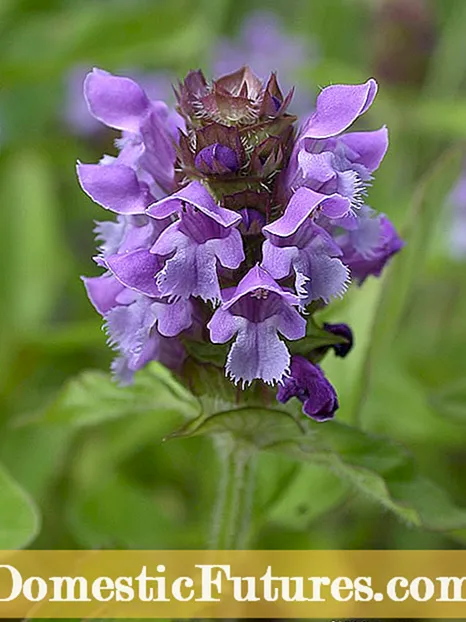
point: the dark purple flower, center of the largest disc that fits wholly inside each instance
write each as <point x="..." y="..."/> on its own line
<point x="255" y="312"/>
<point x="368" y="248"/>
<point x="341" y="330"/>
<point x="308" y="383"/>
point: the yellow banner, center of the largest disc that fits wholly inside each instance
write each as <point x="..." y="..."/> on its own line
<point x="233" y="584"/>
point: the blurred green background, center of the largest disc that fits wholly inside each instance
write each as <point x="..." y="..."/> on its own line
<point x="84" y="478"/>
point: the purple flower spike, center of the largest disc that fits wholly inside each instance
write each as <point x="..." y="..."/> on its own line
<point x="308" y="383"/>
<point x="228" y="219"/>
<point x="256" y="311"/>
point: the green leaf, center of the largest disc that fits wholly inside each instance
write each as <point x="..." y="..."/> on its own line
<point x="259" y="427"/>
<point x="380" y="470"/>
<point x="313" y="492"/>
<point x="19" y="517"/>
<point x="93" y="397"/>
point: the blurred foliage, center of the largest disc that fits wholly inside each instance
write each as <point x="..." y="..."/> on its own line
<point x="88" y="458"/>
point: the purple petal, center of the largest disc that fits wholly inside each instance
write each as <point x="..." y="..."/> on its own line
<point x="128" y="327"/>
<point x="318" y="168"/>
<point x="115" y="187"/>
<point x="301" y="205"/>
<point x="192" y="271"/>
<point x="291" y="324"/>
<point x="159" y="153"/>
<point x="308" y="383"/>
<point x="258" y="352"/>
<point x="259" y="279"/>
<point x="369" y="147"/>
<point x="277" y="260"/>
<point x="174" y="317"/>
<point x="199" y="197"/>
<point x="321" y="276"/>
<point x="136" y="270"/>
<point x="118" y="102"/>
<point x="336" y="206"/>
<point x="222" y="326"/>
<point x="103" y="291"/>
<point x="229" y="250"/>
<point x="337" y="108"/>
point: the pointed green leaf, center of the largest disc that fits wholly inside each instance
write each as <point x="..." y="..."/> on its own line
<point x="259" y="427"/>
<point x="381" y="470"/>
<point x="313" y="492"/>
<point x="93" y="397"/>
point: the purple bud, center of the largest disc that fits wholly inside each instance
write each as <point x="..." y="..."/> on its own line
<point x="252" y="222"/>
<point x="341" y="330"/>
<point x="308" y="383"/>
<point x="217" y="159"/>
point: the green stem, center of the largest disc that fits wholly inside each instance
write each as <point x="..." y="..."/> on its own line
<point x="233" y="507"/>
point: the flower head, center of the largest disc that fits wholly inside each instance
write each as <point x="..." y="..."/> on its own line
<point x="232" y="226"/>
<point x="308" y="383"/>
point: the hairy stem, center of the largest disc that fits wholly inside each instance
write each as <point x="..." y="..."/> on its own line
<point x="233" y="507"/>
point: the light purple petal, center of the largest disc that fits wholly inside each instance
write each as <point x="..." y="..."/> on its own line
<point x="301" y="205"/>
<point x="198" y="196"/>
<point x="136" y="270"/>
<point x="223" y="326"/>
<point x="257" y="352"/>
<point x="159" y="153"/>
<point x="229" y="251"/>
<point x="118" y="102"/>
<point x="370" y="147"/>
<point x="336" y="206"/>
<point x="192" y="271"/>
<point x="317" y="167"/>
<point x="173" y="318"/>
<point x="256" y="279"/>
<point x="320" y="276"/>
<point x="115" y="187"/>
<point x="128" y="327"/>
<point x="277" y="260"/>
<point x="337" y="108"/>
<point x="103" y="291"/>
<point x="291" y="324"/>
